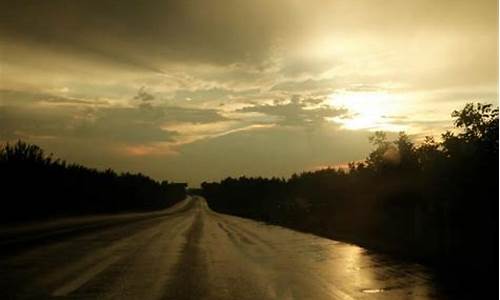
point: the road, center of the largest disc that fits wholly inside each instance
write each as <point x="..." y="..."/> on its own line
<point x="191" y="252"/>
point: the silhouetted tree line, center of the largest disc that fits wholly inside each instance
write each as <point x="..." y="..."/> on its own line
<point x="436" y="201"/>
<point x="35" y="185"/>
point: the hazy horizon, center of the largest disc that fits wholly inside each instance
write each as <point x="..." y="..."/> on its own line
<point x="208" y="89"/>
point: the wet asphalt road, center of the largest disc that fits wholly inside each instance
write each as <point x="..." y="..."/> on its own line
<point x="191" y="252"/>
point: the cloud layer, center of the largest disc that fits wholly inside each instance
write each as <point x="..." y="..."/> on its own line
<point x="237" y="86"/>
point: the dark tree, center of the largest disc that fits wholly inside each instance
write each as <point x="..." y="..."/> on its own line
<point x="35" y="186"/>
<point x="435" y="201"/>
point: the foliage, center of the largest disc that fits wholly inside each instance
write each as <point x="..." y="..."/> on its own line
<point x="34" y="185"/>
<point x="426" y="201"/>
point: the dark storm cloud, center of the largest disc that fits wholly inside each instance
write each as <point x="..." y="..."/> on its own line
<point x="142" y="95"/>
<point x="143" y="124"/>
<point x="144" y="32"/>
<point x="73" y="69"/>
<point x="130" y="125"/>
<point x="13" y="97"/>
<point x="297" y="112"/>
<point x="21" y="122"/>
<point x="52" y="116"/>
<point x="24" y="122"/>
<point x="150" y="34"/>
<point x="21" y="98"/>
<point x="71" y="101"/>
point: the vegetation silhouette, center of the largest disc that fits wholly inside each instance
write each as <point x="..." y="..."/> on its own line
<point x="36" y="186"/>
<point x="435" y="202"/>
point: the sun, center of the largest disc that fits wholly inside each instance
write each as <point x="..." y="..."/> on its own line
<point x="367" y="110"/>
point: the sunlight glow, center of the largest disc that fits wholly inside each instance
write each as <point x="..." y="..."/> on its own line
<point x="367" y="110"/>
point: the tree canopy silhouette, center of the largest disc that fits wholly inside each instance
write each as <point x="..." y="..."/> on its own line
<point x="427" y="201"/>
<point x="35" y="185"/>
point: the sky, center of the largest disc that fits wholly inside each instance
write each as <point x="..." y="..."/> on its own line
<point x="200" y="90"/>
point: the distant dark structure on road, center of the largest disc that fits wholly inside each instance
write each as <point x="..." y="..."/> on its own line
<point x="36" y="186"/>
<point x="437" y="202"/>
